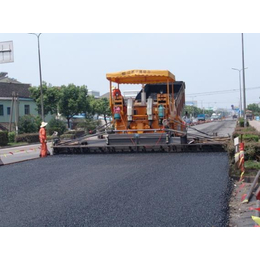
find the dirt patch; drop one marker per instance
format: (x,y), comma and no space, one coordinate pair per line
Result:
(241,213)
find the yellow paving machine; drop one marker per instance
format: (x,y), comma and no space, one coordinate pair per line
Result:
(149,121)
(154,115)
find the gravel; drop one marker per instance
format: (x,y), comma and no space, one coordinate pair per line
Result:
(142,190)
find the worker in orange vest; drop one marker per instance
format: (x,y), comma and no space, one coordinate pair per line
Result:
(43,140)
(116,92)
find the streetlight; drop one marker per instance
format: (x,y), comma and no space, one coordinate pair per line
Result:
(38,37)
(244,81)
(240,103)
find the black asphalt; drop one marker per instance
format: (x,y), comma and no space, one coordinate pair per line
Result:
(116,190)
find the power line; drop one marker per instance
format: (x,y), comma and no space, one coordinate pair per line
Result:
(219,92)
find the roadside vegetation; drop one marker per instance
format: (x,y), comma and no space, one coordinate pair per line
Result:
(195,111)
(251,139)
(62,103)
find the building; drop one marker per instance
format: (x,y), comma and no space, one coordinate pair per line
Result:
(106,95)
(15,98)
(96,94)
(191,103)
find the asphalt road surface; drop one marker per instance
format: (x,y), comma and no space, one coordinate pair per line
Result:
(142,190)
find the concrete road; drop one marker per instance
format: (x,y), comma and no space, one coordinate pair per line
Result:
(116,190)
(21,153)
(223,128)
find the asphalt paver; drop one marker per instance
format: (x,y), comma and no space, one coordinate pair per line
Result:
(118,190)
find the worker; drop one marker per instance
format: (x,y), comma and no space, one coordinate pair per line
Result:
(116,92)
(43,140)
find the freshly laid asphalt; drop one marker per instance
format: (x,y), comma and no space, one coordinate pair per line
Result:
(117,190)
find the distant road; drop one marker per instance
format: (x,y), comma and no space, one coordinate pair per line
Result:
(223,128)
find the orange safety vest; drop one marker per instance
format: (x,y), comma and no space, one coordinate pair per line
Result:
(42,137)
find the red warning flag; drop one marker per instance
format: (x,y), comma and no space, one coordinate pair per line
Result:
(256,219)
(243,197)
(254,208)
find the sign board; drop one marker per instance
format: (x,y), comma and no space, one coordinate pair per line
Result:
(6,52)
(236,141)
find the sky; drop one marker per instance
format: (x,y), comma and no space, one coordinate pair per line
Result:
(204,61)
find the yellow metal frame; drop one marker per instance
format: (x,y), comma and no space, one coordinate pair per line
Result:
(140,121)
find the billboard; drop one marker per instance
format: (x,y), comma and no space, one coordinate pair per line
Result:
(6,52)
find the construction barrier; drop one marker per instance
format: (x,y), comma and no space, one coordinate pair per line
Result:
(240,157)
(19,151)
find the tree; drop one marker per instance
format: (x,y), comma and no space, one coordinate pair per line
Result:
(254,108)
(51,96)
(102,108)
(29,124)
(192,110)
(91,107)
(195,111)
(73,100)
(56,125)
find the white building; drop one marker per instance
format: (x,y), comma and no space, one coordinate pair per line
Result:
(94,93)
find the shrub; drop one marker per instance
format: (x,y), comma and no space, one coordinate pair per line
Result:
(56,125)
(251,164)
(11,137)
(3,137)
(89,124)
(76,133)
(239,133)
(29,138)
(250,138)
(250,152)
(29,124)
(68,136)
(241,122)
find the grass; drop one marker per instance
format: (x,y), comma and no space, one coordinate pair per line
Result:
(251,139)
(252,164)
(17,144)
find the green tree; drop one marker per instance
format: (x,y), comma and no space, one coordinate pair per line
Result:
(29,124)
(254,108)
(51,96)
(192,110)
(195,111)
(91,107)
(102,108)
(73,100)
(56,125)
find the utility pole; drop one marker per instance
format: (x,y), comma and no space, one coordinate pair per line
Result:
(16,113)
(40,71)
(244,84)
(11,112)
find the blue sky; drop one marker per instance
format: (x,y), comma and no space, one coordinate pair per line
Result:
(202,60)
